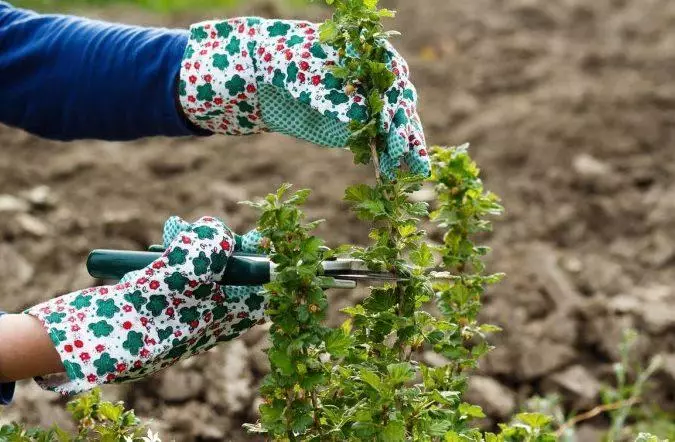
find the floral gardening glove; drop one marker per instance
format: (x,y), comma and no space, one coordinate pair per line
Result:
(169,311)
(251,75)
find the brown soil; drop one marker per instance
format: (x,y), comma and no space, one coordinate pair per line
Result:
(570,108)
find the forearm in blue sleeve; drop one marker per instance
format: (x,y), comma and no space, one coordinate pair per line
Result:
(6,388)
(66,78)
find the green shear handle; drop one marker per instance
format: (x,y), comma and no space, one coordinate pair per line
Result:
(242,269)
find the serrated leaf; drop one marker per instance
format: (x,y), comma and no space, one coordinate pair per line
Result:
(489,328)
(394,431)
(386,13)
(372,207)
(371,378)
(452,436)
(328,31)
(301,422)
(534,420)
(418,209)
(380,300)
(358,193)
(300,197)
(471,410)
(110,411)
(338,343)
(375,102)
(407,229)
(400,373)
(422,257)
(282,361)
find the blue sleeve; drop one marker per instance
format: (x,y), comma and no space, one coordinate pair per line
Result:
(66,78)
(6,389)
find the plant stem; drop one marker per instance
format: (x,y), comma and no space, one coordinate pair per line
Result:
(590,414)
(376,161)
(317,424)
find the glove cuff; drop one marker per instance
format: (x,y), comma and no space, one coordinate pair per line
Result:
(217,86)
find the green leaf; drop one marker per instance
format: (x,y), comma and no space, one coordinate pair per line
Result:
(386,13)
(301,422)
(375,102)
(110,411)
(300,197)
(358,193)
(418,209)
(489,328)
(338,343)
(469,410)
(407,229)
(452,436)
(534,420)
(380,300)
(328,31)
(372,379)
(422,257)
(272,413)
(400,373)
(439,427)
(394,431)
(371,208)
(281,360)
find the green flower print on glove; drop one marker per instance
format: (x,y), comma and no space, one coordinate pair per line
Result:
(156,316)
(250,75)
(251,296)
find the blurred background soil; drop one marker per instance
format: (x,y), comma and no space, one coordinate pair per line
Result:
(570,110)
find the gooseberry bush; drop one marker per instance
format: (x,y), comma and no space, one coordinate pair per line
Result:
(365,380)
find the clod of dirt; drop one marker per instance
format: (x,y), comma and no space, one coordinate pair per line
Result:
(10,203)
(433,359)
(195,421)
(495,398)
(129,224)
(15,270)
(41,197)
(589,433)
(579,387)
(595,174)
(561,290)
(257,333)
(230,378)
(31,225)
(259,360)
(180,385)
(539,357)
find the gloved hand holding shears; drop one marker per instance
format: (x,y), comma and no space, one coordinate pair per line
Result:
(168,311)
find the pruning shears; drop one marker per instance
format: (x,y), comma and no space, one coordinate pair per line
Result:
(242,269)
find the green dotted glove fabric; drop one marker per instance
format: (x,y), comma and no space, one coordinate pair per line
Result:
(250,75)
(157,316)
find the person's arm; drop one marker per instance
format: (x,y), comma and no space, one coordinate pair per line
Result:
(65,78)
(25,349)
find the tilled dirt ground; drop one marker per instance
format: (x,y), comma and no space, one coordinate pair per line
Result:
(570,108)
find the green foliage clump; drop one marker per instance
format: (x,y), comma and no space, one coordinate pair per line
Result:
(95,419)
(356,31)
(365,380)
